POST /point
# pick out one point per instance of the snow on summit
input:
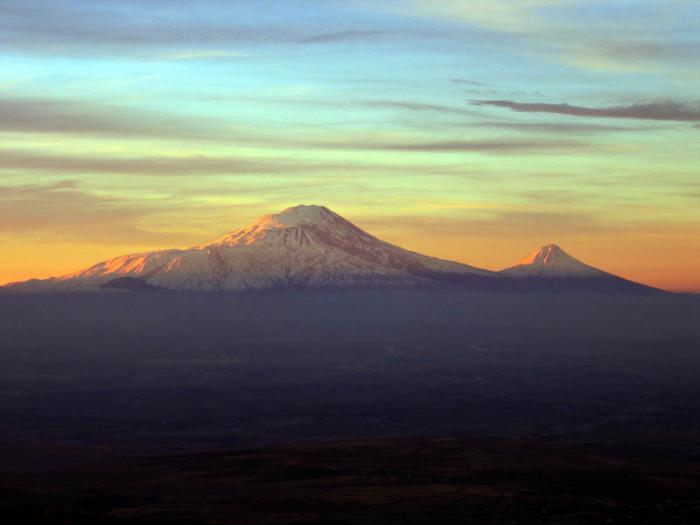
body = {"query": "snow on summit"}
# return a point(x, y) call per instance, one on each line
point(301, 215)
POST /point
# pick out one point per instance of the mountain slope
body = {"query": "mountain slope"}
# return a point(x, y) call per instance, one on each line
point(303, 246)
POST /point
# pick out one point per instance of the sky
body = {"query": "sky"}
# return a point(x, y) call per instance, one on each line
point(474, 130)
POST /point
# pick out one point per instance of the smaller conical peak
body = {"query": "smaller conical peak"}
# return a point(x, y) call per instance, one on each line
point(302, 215)
point(552, 261)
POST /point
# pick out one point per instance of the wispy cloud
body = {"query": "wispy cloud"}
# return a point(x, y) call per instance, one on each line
point(421, 107)
point(474, 118)
point(91, 27)
point(578, 32)
point(54, 116)
point(194, 32)
point(47, 115)
point(344, 36)
point(663, 111)
point(564, 127)
point(68, 211)
point(171, 166)
point(495, 224)
point(633, 54)
point(202, 54)
point(472, 83)
point(198, 165)
point(494, 146)
point(204, 165)
point(66, 208)
point(416, 106)
point(513, 16)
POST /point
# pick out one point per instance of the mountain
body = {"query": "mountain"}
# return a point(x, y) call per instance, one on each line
point(551, 266)
point(303, 246)
point(552, 262)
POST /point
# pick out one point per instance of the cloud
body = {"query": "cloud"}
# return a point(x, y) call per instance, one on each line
point(501, 146)
point(353, 105)
point(557, 225)
point(345, 36)
point(553, 224)
point(563, 127)
point(144, 29)
point(574, 31)
point(415, 107)
point(47, 115)
point(554, 197)
point(660, 111)
point(93, 27)
point(57, 116)
point(201, 165)
point(67, 211)
point(644, 50)
point(585, 33)
point(164, 166)
point(472, 83)
point(201, 54)
point(198, 165)
point(63, 207)
point(495, 223)
point(512, 16)
point(448, 110)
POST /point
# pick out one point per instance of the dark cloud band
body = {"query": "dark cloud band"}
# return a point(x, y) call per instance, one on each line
point(664, 111)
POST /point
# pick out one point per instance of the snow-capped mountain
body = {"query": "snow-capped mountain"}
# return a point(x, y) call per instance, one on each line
point(303, 246)
point(553, 262)
point(550, 267)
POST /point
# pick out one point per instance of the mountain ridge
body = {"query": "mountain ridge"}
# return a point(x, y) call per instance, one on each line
point(310, 246)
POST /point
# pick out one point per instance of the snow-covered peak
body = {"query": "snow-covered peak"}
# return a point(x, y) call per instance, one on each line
point(296, 224)
point(302, 215)
point(552, 261)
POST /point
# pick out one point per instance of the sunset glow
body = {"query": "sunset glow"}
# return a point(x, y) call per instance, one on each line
point(476, 131)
